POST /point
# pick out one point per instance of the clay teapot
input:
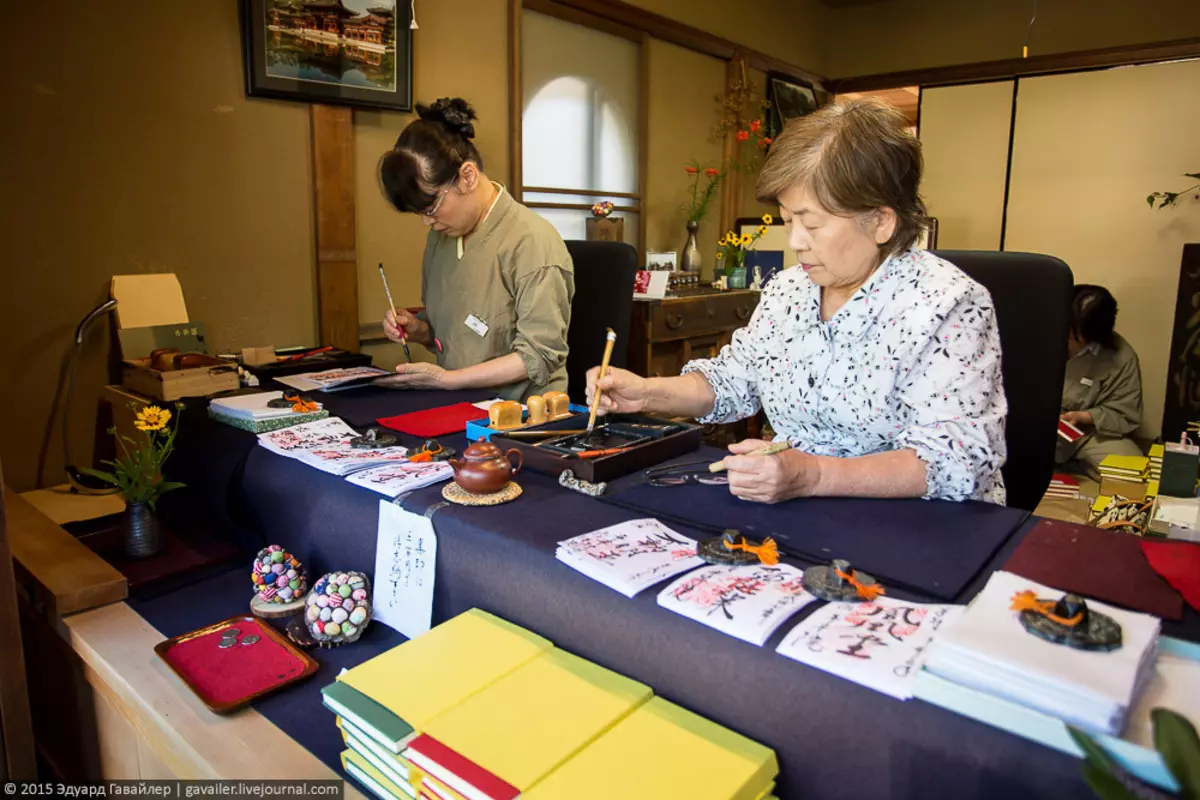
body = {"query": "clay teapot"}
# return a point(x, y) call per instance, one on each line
point(484, 468)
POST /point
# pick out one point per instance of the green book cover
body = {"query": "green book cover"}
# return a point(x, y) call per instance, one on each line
point(367, 715)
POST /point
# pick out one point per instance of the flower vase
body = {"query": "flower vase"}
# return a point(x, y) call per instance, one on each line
point(140, 533)
point(690, 262)
point(737, 278)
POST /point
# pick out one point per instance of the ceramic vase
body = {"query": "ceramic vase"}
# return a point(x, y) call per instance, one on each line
point(140, 531)
point(690, 262)
point(737, 278)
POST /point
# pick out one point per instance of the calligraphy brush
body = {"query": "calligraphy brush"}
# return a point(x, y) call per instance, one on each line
point(608, 348)
point(392, 303)
point(771, 449)
point(599, 453)
point(540, 434)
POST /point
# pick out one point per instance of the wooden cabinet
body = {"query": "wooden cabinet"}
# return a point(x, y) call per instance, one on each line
point(666, 334)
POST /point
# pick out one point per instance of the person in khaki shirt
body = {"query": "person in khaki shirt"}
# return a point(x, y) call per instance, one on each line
point(497, 280)
point(1102, 387)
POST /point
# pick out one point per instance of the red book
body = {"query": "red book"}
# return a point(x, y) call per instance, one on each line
point(434, 421)
point(459, 773)
point(1068, 431)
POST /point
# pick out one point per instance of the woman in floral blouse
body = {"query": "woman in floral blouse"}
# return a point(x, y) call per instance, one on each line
point(878, 362)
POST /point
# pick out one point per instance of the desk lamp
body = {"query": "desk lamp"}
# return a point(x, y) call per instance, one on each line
point(80, 482)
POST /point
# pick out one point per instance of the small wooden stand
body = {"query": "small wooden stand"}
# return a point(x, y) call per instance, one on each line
point(264, 610)
point(605, 229)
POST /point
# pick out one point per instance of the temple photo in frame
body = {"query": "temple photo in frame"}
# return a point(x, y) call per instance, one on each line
point(342, 52)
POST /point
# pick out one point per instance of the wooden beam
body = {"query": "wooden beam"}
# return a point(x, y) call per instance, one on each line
point(516, 101)
point(583, 192)
point(675, 32)
point(16, 724)
point(1009, 68)
point(567, 13)
point(337, 260)
point(643, 134)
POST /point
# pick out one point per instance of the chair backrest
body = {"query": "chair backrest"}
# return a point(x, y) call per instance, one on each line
point(1032, 296)
point(604, 275)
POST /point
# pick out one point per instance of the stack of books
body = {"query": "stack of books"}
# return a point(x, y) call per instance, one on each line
point(1154, 470)
point(990, 651)
point(1063, 486)
point(480, 709)
point(252, 412)
point(1124, 476)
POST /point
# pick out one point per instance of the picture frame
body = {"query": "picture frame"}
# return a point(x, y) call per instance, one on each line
point(789, 98)
point(338, 52)
point(661, 260)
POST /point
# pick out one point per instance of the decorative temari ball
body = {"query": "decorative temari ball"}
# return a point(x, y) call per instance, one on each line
point(339, 607)
point(277, 576)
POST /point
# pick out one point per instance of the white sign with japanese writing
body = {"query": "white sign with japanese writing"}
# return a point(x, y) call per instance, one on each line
point(405, 555)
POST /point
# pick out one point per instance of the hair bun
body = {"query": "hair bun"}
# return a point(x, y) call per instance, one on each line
point(455, 113)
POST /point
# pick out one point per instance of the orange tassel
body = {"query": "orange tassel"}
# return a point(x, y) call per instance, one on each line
point(1027, 601)
point(767, 552)
point(865, 591)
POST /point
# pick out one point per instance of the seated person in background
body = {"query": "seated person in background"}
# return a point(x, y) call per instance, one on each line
point(1102, 389)
point(879, 363)
point(496, 278)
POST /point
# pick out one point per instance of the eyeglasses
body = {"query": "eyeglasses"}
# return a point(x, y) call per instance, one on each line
point(432, 211)
point(683, 474)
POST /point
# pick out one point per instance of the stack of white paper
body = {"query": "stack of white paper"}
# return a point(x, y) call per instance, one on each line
point(749, 602)
point(879, 643)
point(250, 406)
point(630, 556)
point(394, 480)
point(325, 445)
point(989, 650)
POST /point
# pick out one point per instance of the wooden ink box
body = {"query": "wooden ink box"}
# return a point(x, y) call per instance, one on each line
point(663, 440)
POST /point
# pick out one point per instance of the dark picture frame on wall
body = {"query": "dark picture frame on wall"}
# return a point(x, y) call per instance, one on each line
point(339, 52)
point(789, 98)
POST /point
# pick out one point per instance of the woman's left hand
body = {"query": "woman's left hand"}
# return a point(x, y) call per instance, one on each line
point(771, 479)
point(420, 375)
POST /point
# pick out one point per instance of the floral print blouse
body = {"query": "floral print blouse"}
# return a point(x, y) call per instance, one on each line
point(911, 361)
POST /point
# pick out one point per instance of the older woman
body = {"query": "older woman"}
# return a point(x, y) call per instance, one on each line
point(878, 362)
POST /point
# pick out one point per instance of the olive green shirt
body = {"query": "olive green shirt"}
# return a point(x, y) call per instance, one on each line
point(1108, 383)
point(510, 292)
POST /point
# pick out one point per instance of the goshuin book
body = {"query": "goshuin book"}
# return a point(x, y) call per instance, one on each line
point(879, 644)
point(332, 380)
point(1069, 432)
point(393, 480)
point(749, 602)
point(630, 556)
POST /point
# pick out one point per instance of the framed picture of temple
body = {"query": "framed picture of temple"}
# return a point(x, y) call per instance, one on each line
point(341, 52)
point(788, 98)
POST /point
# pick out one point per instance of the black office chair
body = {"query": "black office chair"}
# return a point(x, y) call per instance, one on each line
point(604, 273)
point(1032, 296)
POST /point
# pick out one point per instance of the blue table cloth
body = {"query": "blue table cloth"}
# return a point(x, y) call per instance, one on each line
point(833, 738)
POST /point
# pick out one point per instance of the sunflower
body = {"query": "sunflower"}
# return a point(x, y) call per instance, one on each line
point(767, 219)
point(746, 240)
point(152, 418)
point(762, 230)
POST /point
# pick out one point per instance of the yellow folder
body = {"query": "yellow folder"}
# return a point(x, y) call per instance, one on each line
point(423, 677)
point(536, 717)
point(662, 750)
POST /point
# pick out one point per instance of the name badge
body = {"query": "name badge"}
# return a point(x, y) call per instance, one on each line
point(1084, 381)
point(476, 324)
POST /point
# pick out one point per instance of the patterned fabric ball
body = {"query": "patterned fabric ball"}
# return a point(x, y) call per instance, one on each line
point(339, 607)
point(277, 576)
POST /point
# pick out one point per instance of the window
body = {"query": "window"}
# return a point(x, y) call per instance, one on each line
point(579, 124)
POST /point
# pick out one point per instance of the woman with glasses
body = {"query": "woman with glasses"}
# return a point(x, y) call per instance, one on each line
point(879, 363)
point(497, 280)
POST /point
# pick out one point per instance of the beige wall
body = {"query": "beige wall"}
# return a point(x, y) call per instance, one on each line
point(964, 136)
point(682, 115)
point(899, 35)
point(790, 31)
point(129, 147)
point(1080, 176)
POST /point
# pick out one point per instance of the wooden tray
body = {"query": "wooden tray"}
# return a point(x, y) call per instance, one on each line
point(606, 468)
point(194, 675)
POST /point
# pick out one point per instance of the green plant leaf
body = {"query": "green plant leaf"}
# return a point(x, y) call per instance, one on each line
point(1094, 753)
point(1176, 739)
point(1195, 175)
point(169, 486)
point(1104, 785)
point(1150, 200)
point(103, 475)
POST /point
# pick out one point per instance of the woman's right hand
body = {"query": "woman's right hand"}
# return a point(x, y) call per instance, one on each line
point(621, 391)
point(399, 325)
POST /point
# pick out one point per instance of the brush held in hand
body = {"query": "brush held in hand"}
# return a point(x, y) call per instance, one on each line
point(608, 348)
point(769, 450)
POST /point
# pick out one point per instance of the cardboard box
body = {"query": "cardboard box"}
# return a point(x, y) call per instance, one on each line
point(1132, 490)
